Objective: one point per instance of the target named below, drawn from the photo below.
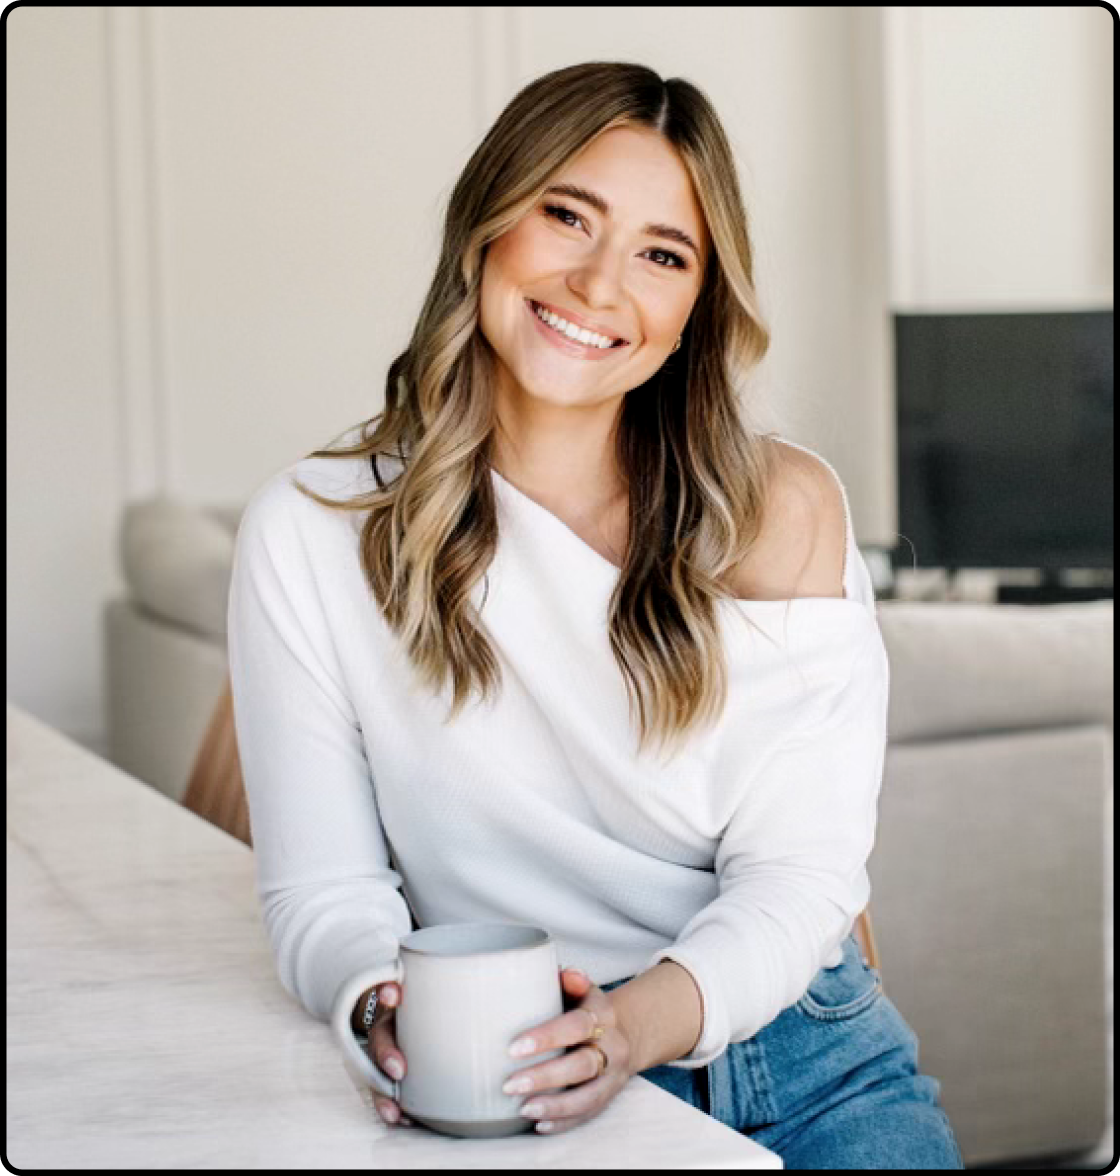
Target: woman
(562, 512)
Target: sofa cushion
(960, 669)
(177, 562)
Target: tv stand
(993, 585)
(1055, 588)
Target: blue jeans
(831, 1082)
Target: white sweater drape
(743, 859)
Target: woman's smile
(569, 346)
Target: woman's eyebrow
(602, 205)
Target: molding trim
(135, 245)
(903, 82)
(495, 35)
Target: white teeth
(571, 331)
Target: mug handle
(352, 1051)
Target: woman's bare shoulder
(800, 548)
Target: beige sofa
(991, 874)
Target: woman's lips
(571, 346)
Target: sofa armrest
(177, 561)
(162, 684)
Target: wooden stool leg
(866, 939)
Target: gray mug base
(474, 1129)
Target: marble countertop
(147, 1027)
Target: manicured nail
(395, 1069)
(545, 1125)
(521, 1047)
(390, 1112)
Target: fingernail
(395, 1068)
(521, 1047)
(390, 1112)
(532, 1110)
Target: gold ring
(605, 1060)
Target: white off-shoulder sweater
(743, 859)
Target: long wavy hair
(698, 475)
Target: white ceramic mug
(468, 990)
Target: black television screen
(1004, 440)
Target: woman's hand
(382, 1049)
(577, 1069)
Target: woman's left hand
(577, 1069)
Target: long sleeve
(332, 906)
(791, 863)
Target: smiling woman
(617, 216)
(568, 455)
(600, 280)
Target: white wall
(221, 222)
(66, 444)
(1002, 136)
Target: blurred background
(222, 221)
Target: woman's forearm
(661, 1013)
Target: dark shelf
(1051, 593)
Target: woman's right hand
(382, 1049)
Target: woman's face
(610, 270)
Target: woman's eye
(558, 211)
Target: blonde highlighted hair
(698, 475)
